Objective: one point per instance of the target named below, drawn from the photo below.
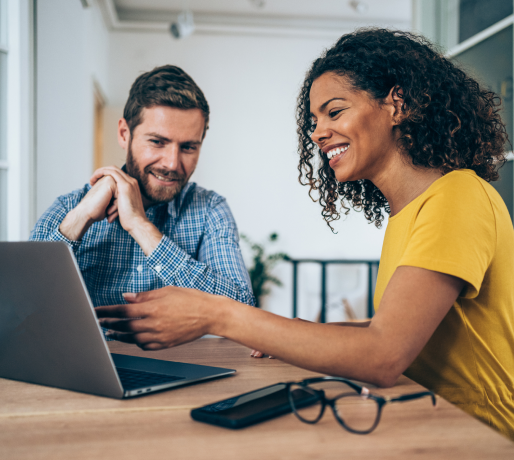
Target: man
(145, 226)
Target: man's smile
(163, 178)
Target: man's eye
(156, 142)
(189, 148)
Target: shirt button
(139, 268)
(158, 268)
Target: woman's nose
(320, 134)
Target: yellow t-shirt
(460, 226)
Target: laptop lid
(48, 329)
(49, 333)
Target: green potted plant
(260, 270)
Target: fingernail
(128, 295)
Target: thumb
(138, 297)
(132, 297)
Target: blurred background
(66, 67)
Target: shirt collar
(175, 206)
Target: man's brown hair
(169, 86)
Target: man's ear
(123, 134)
(395, 100)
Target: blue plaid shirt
(199, 248)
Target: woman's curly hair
(448, 120)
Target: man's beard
(155, 194)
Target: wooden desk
(39, 422)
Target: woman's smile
(335, 153)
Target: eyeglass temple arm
(412, 396)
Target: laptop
(49, 333)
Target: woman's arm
(414, 303)
(355, 323)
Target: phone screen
(248, 408)
(249, 404)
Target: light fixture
(359, 6)
(184, 25)
(258, 3)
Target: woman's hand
(160, 319)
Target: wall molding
(140, 20)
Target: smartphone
(248, 408)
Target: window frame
(20, 162)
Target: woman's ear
(395, 102)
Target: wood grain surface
(38, 422)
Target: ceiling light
(258, 3)
(359, 6)
(184, 25)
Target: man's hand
(128, 206)
(159, 319)
(94, 207)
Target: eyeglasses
(354, 407)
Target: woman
(388, 125)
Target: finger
(121, 336)
(95, 177)
(113, 207)
(152, 346)
(140, 339)
(125, 325)
(101, 171)
(118, 175)
(133, 297)
(257, 354)
(120, 311)
(112, 217)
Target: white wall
(72, 52)
(249, 154)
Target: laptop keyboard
(132, 379)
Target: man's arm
(70, 216)
(220, 268)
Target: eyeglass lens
(356, 413)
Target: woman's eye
(335, 113)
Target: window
(3, 119)
(478, 15)
(490, 61)
(478, 35)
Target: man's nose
(172, 157)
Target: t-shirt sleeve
(455, 233)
